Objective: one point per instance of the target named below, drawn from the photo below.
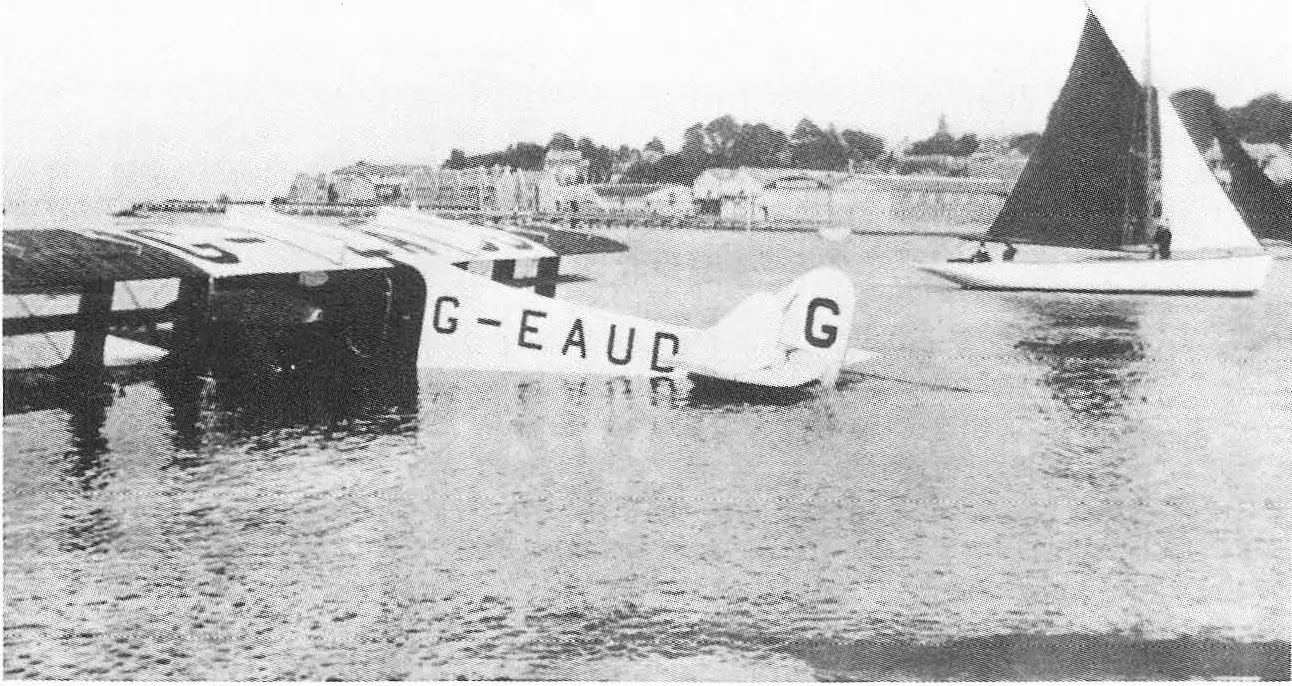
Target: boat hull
(1212, 276)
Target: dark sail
(1083, 182)
(1267, 213)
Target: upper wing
(475, 239)
(255, 240)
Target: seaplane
(253, 291)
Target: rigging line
(131, 292)
(925, 384)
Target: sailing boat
(1114, 166)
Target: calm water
(1109, 500)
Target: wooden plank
(17, 326)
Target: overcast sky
(143, 100)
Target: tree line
(727, 142)
(723, 142)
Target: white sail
(1199, 213)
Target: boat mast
(1152, 136)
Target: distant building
(993, 146)
(566, 167)
(653, 152)
(311, 188)
(792, 195)
(755, 193)
(626, 198)
(941, 199)
(353, 188)
(1006, 165)
(363, 181)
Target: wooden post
(191, 333)
(91, 333)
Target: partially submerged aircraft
(252, 290)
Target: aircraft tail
(791, 338)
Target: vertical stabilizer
(792, 338)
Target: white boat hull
(1219, 276)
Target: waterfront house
(309, 188)
(764, 194)
(940, 199)
(806, 195)
(353, 188)
(364, 181)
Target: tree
(679, 168)
(600, 160)
(693, 157)
(835, 153)
(1265, 119)
(759, 145)
(940, 143)
(807, 145)
(1026, 143)
(943, 143)
(861, 145)
(639, 172)
(964, 146)
(812, 148)
(693, 142)
(720, 140)
(560, 141)
(524, 156)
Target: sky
(140, 100)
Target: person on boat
(1009, 253)
(982, 255)
(1162, 241)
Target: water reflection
(1093, 362)
(663, 392)
(717, 395)
(1037, 657)
(205, 414)
(91, 526)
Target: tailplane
(788, 339)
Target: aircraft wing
(37, 261)
(458, 240)
(248, 242)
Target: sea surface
(1022, 486)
